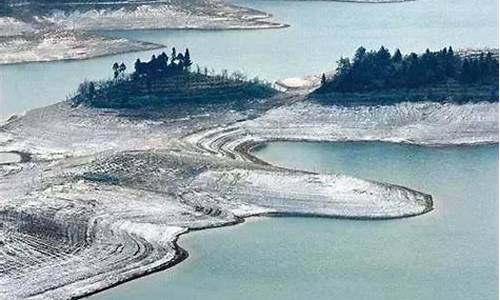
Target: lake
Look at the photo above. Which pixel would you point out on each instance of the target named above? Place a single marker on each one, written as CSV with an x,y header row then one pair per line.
x,y
449,253
320,33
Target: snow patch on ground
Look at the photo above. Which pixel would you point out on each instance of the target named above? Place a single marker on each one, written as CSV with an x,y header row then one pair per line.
x,y
56,34
13,27
63,45
425,123
304,84
156,17
314,194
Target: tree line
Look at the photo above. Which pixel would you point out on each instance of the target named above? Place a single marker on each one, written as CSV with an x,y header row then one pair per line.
x,y
156,66
373,70
135,89
164,65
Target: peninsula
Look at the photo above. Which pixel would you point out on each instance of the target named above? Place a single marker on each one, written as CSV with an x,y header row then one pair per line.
x,y
112,176
33,31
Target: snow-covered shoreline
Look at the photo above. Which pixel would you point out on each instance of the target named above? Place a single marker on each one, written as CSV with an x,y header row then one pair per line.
x,y
65,45
209,15
63,32
420,123
106,193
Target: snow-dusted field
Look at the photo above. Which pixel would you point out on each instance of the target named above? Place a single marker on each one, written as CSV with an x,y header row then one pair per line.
x,y
64,45
13,27
57,31
106,193
207,15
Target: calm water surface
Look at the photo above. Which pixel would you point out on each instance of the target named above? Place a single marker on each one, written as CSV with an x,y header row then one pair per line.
x,y
320,32
450,253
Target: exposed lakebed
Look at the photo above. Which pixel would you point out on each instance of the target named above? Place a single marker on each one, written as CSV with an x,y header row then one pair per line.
x,y
450,253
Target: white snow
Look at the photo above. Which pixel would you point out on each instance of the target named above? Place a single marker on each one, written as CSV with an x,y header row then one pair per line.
x,y
62,45
13,27
425,123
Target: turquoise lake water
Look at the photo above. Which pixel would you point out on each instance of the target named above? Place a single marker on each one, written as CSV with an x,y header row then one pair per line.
x,y
449,253
320,33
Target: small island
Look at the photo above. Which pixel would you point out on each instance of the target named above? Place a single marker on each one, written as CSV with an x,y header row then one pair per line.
x,y
166,80
381,77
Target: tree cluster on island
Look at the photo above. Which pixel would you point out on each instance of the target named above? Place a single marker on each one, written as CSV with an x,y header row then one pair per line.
x,y
165,80
379,70
164,65
157,66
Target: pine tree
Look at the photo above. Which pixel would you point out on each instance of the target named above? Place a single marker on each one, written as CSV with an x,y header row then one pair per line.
x,y
116,67
173,57
180,64
450,51
360,55
163,62
152,65
122,68
397,57
91,89
138,67
187,59
323,79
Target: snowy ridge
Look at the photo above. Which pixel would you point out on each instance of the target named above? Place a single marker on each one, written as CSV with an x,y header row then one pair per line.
x,y
424,123
64,45
147,16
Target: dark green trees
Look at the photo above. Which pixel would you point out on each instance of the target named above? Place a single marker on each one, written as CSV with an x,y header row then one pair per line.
x,y
118,69
162,65
481,69
174,57
397,58
115,69
323,79
86,90
376,70
187,60
122,68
